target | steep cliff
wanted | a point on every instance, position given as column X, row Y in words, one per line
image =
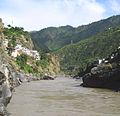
column 8, row 78
column 22, row 54
column 54, row 67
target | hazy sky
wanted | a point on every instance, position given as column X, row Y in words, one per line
column 38, row 14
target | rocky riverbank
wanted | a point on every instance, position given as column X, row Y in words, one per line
column 8, row 81
column 11, row 39
column 8, row 78
column 104, row 75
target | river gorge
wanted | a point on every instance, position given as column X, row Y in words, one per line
column 63, row 97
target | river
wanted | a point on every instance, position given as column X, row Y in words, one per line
column 63, row 97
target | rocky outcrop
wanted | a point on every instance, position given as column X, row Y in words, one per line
column 8, row 81
column 8, row 78
column 1, row 30
column 1, row 24
column 47, row 78
column 11, row 75
column 106, row 74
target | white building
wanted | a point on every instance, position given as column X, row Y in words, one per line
column 18, row 47
column 100, row 61
column 15, row 53
column 35, row 54
column 32, row 53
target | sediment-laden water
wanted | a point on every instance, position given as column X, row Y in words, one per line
column 63, row 97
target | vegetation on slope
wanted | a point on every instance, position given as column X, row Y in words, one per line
column 24, row 62
column 76, row 57
column 76, row 47
column 18, row 35
column 52, row 38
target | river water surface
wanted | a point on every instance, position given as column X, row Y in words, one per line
column 63, row 97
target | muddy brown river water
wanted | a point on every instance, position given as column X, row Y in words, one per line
column 63, row 97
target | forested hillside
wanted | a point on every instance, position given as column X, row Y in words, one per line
column 76, row 57
column 19, row 50
column 54, row 38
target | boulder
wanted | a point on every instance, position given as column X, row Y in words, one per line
column 104, row 75
column 108, row 80
column 3, row 111
column 47, row 78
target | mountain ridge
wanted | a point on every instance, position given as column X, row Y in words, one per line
column 76, row 57
column 54, row 38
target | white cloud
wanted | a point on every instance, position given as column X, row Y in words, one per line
column 37, row 14
column 115, row 5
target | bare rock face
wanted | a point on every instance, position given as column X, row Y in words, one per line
column 1, row 29
column 1, row 25
column 5, row 92
column 5, row 88
column 7, row 83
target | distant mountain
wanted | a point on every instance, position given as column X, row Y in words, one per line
column 77, row 56
column 53, row 38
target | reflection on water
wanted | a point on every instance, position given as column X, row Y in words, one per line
column 63, row 97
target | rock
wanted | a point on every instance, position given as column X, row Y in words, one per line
column 90, row 66
column 76, row 77
column 6, row 94
column 109, row 80
column 104, row 75
column 1, row 25
column 94, row 70
column 8, row 81
column 3, row 111
column 47, row 78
